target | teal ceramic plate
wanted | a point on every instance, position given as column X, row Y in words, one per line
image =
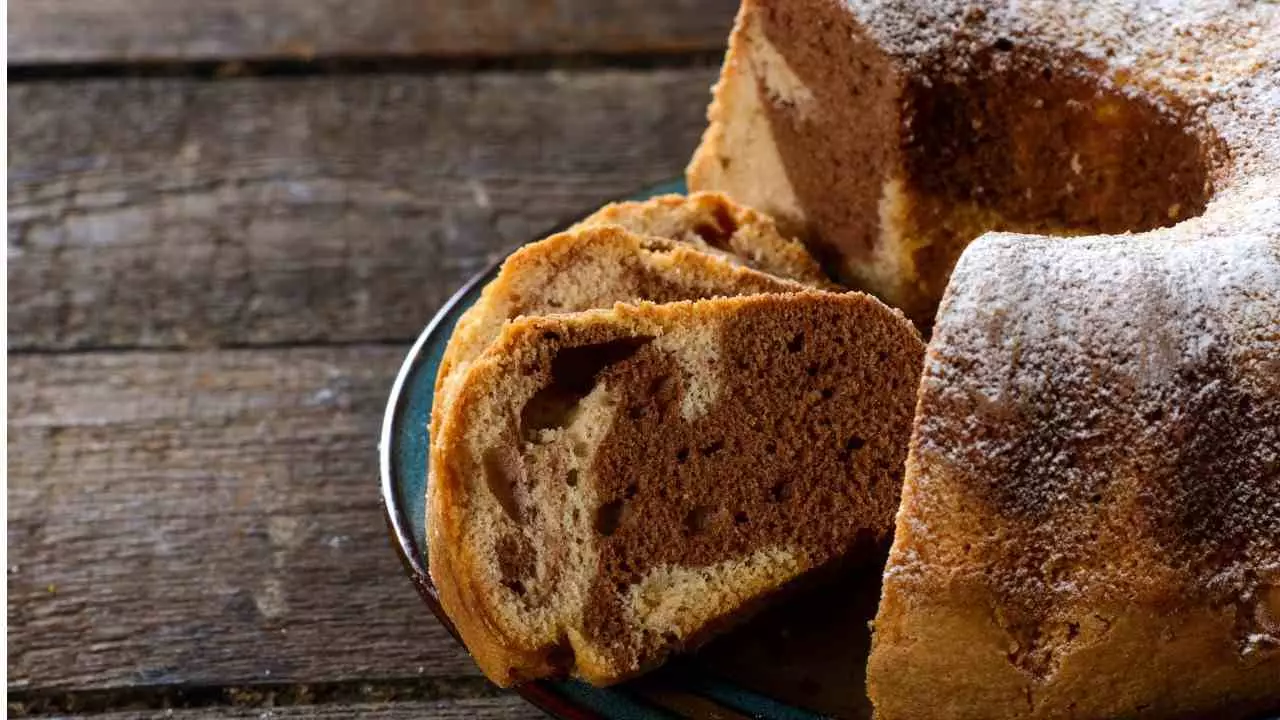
column 685, row 689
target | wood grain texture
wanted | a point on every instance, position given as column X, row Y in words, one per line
column 340, row 209
column 505, row 707
column 206, row 518
column 45, row 31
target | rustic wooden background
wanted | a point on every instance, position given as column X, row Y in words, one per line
column 227, row 221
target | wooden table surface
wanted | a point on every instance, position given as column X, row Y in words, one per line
column 228, row 219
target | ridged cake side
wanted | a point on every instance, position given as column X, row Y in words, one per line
column 1090, row 525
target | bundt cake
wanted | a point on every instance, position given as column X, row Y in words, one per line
column 613, row 485
column 1091, row 520
column 1090, row 526
column 713, row 222
column 893, row 132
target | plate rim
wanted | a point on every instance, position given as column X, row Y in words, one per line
column 403, row 539
column 393, row 511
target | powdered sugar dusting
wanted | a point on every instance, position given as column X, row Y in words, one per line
column 1096, row 457
column 1108, row 409
column 1056, row 362
column 1220, row 57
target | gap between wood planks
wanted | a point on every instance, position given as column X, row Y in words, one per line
column 258, row 695
column 339, row 66
column 390, row 342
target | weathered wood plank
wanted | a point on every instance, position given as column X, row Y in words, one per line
column 60, row 31
column 206, row 518
column 504, row 707
column 307, row 210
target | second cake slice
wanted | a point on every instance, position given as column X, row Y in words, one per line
column 593, row 266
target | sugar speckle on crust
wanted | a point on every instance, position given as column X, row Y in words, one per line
column 1127, row 93
column 1099, row 428
column 1158, row 48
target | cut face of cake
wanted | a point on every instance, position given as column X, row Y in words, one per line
column 893, row 133
column 615, row 485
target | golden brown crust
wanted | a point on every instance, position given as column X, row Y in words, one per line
column 712, row 221
column 506, row 658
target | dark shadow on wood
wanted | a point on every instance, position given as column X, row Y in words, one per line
column 264, row 695
column 355, row 65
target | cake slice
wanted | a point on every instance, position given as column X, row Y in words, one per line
column 711, row 221
column 614, row 485
column 591, row 267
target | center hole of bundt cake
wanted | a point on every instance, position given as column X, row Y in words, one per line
column 898, row 160
column 1035, row 142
